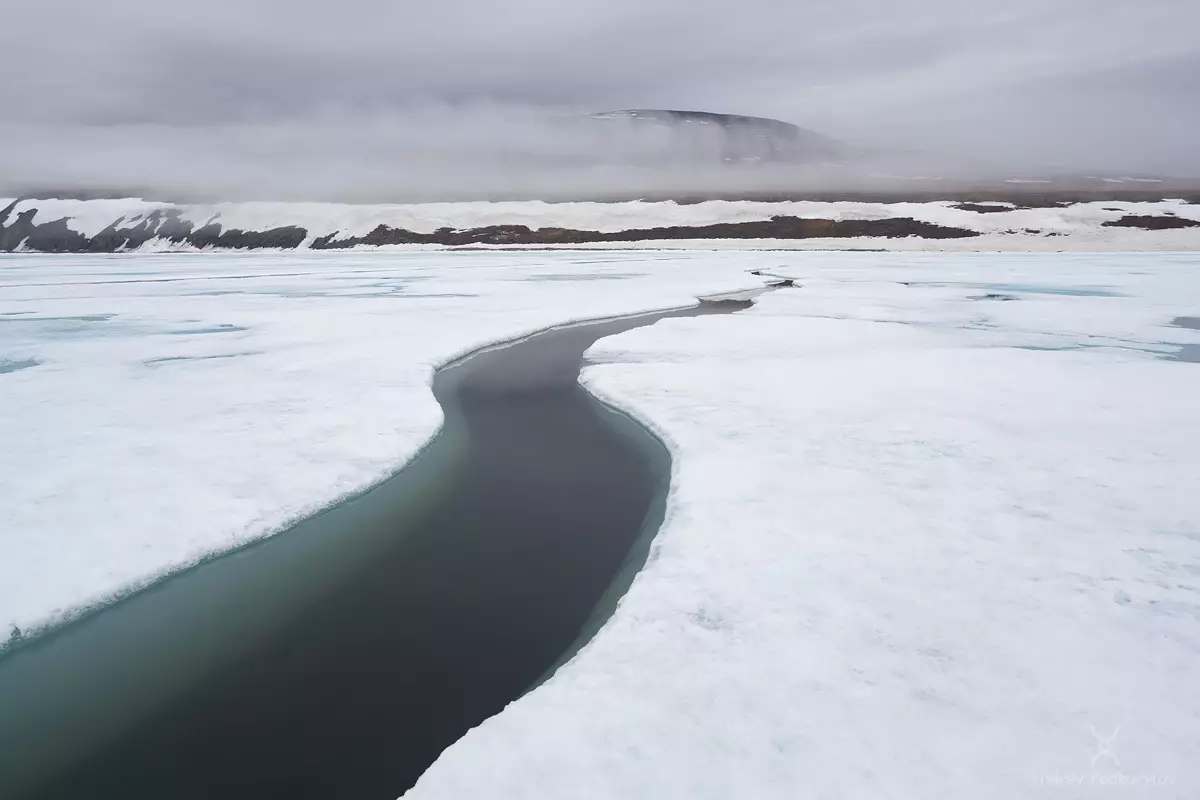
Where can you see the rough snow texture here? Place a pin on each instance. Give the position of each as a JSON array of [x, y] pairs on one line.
[[159, 408], [1074, 227], [933, 533]]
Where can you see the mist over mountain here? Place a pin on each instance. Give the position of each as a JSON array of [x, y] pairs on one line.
[[377, 101], [495, 153]]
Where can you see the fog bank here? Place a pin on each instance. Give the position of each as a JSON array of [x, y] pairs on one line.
[[375, 101]]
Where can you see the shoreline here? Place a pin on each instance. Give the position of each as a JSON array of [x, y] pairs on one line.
[[49, 625], [134, 225]]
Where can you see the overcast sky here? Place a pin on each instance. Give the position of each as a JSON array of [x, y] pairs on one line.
[[233, 93]]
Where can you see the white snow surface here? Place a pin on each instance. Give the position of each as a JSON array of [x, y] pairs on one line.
[[158, 408], [1075, 227], [918, 545]]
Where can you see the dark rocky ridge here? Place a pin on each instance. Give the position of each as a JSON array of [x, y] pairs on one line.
[[168, 226], [1151, 223], [775, 228], [982, 208]]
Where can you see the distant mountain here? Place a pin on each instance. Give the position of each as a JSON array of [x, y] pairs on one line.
[[796, 160], [732, 138], [642, 154]]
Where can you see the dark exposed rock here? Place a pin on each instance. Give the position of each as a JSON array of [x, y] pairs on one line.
[[210, 235], [797, 228], [11, 236], [164, 225], [775, 228], [174, 229], [981, 208], [1151, 223], [49, 237], [288, 237]]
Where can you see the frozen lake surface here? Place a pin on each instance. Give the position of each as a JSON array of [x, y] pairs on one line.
[[933, 528]]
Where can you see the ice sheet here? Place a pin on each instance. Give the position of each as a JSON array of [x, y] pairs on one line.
[[923, 541]]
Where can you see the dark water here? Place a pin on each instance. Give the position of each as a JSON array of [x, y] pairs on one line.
[[338, 659], [1187, 352], [1191, 323]]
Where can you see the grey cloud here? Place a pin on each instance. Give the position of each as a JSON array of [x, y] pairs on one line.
[[299, 98]]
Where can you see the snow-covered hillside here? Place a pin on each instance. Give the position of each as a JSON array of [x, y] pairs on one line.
[[162, 407], [933, 533], [107, 225]]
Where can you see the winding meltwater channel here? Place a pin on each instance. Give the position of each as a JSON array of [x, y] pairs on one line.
[[340, 657]]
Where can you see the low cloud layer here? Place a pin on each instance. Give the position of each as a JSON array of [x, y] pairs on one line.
[[366, 99]]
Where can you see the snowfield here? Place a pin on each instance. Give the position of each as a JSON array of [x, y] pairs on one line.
[[157, 409], [1074, 227], [934, 532]]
